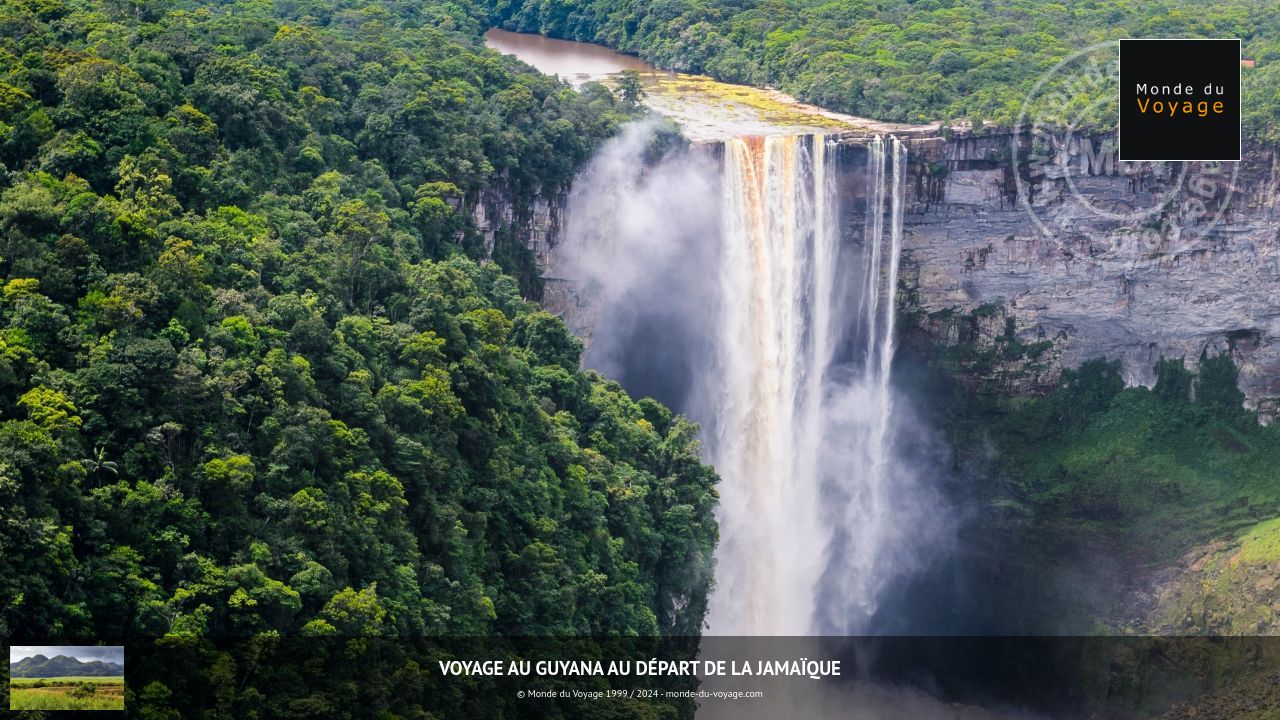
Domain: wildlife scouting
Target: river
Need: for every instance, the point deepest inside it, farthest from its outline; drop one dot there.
(707, 110)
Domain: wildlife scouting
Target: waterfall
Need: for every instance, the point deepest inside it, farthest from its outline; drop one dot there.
(870, 528)
(774, 188)
(733, 286)
(797, 354)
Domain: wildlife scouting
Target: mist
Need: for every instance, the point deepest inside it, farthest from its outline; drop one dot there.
(751, 285)
(640, 244)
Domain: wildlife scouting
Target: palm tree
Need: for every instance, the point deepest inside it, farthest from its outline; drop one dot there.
(100, 462)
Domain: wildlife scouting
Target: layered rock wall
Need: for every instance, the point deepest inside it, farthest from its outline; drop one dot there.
(1037, 260)
(1071, 257)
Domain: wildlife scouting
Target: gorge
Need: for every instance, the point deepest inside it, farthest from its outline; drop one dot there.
(970, 242)
(636, 260)
(776, 334)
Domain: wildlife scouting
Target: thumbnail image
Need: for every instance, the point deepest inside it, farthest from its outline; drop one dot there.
(66, 677)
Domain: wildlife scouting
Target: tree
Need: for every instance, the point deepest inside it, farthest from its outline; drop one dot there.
(50, 409)
(630, 88)
(1217, 386)
(99, 463)
(1173, 380)
(358, 227)
(352, 612)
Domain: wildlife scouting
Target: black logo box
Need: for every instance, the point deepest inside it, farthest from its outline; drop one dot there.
(1188, 66)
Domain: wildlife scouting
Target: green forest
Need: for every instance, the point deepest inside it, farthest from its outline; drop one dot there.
(257, 375)
(1083, 491)
(909, 60)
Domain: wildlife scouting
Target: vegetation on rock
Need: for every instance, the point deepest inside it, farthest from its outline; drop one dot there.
(1086, 490)
(1229, 587)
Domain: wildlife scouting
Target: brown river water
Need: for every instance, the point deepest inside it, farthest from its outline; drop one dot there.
(573, 62)
(706, 109)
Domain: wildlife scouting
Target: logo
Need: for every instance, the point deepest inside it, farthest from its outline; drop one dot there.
(1180, 100)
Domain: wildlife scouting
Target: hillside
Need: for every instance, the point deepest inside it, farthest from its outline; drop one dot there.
(905, 60)
(259, 374)
(39, 666)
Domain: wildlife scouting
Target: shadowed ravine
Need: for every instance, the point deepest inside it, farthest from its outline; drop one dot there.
(724, 284)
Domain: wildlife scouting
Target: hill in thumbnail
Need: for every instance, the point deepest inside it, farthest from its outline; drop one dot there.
(39, 666)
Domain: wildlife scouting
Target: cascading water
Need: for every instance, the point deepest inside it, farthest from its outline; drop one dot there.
(784, 325)
(776, 264)
(788, 353)
(868, 525)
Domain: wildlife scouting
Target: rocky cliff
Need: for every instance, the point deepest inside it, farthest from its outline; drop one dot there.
(1066, 254)
(1025, 262)
(536, 226)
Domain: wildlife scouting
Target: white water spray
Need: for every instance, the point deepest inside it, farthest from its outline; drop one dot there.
(786, 445)
(870, 529)
(780, 325)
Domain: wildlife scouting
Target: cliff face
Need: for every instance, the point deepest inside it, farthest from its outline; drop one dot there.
(536, 227)
(1022, 293)
(1082, 270)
